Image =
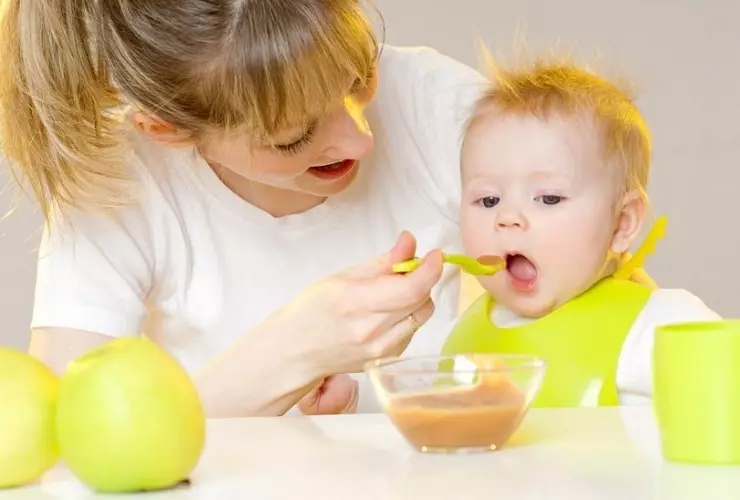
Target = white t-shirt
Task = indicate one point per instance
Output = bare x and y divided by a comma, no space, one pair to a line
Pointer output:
634,369
195,267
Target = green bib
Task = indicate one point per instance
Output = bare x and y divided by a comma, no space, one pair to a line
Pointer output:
581,341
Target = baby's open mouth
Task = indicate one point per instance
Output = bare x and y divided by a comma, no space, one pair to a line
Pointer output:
522,271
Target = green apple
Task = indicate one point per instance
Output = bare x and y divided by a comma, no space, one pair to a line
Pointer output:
129,418
28,393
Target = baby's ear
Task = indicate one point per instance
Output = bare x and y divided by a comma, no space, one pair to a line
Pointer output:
630,218
160,131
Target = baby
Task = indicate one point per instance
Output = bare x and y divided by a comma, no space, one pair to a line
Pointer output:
555,164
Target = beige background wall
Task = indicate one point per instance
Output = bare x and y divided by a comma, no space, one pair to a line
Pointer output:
682,54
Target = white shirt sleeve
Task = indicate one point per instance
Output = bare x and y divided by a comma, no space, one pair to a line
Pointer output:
434,97
634,373
94,273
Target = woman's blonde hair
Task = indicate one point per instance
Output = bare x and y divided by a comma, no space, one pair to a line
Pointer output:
67,66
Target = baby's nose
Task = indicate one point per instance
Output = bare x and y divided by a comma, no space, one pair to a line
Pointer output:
509,219
508,223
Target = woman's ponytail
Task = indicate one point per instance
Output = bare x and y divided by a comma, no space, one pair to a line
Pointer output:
57,127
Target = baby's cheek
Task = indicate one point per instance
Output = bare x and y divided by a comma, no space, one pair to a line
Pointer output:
576,275
562,269
477,238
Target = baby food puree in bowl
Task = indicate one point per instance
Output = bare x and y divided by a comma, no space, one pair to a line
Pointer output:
458,403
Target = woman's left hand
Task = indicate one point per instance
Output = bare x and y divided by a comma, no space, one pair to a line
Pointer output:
335,394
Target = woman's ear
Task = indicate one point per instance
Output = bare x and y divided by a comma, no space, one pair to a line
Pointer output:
630,219
160,131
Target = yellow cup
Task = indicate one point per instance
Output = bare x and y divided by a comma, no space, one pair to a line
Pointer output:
696,391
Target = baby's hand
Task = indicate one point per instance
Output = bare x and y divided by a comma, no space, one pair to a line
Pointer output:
336,394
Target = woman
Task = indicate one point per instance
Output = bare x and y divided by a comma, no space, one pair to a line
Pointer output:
269,146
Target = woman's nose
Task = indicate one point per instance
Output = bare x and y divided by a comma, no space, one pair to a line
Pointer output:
351,136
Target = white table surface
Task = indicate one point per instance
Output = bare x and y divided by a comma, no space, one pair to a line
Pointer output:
595,454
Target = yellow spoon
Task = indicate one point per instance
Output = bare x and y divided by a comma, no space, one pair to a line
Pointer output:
485,265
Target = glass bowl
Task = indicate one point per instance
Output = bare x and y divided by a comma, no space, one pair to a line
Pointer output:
458,403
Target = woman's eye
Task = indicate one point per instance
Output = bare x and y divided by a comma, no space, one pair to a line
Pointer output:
489,201
297,146
550,199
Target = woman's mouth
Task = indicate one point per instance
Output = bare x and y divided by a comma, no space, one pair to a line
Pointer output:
333,170
521,271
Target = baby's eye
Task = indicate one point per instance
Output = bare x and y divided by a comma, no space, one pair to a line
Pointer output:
489,201
549,199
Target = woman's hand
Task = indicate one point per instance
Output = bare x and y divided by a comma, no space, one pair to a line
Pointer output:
360,314
336,394
333,327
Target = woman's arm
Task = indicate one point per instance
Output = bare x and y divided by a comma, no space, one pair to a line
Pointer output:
255,377
57,347
224,387
242,382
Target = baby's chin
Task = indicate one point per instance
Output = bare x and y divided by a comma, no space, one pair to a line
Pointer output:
541,302
528,307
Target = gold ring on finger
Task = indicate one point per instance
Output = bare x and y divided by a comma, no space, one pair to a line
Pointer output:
415,325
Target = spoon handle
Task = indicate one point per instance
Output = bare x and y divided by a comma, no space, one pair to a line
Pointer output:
467,264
